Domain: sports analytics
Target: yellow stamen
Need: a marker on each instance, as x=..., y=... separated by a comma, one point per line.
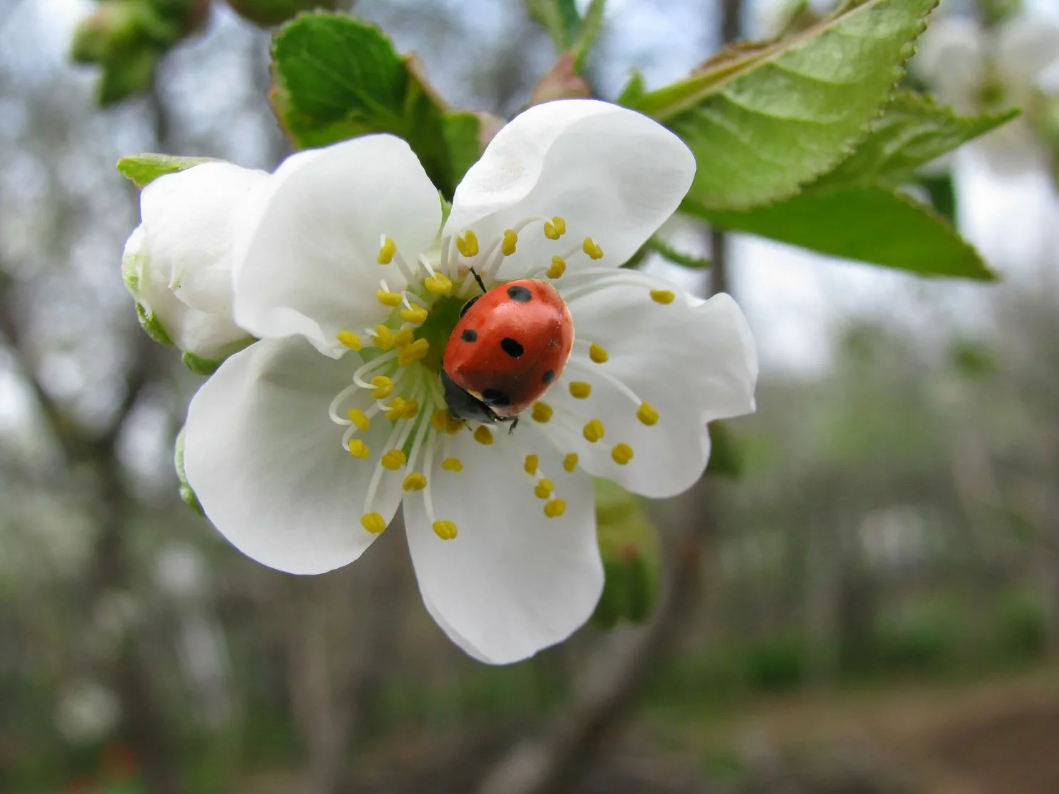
x=383, y=387
x=555, y=228
x=558, y=267
x=393, y=460
x=373, y=522
x=386, y=251
x=383, y=338
x=593, y=431
x=555, y=508
x=468, y=244
x=452, y=464
x=391, y=299
x=416, y=315
x=439, y=284
x=403, y=338
x=544, y=489
x=647, y=414
x=570, y=461
x=446, y=530
x=402, y=409
x=350, y=340
x=359, y=418
x=593, y=250
x=542, y=412
x=414, y=482
x=358, y=449
x=662, y=296
x=580, y=390
x=532, y=462
x=507, y=247
x=414, y=352
x=621, y=454
x=443, y=422
x=483, y=436
x=598, y=354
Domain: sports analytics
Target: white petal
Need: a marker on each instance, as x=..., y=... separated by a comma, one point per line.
x=693, y=361
x=190, y=219
x=513, y=581
x=207, y=335
x=612, y=174
x=308, y=262
x=266, y=463
x=951, y=60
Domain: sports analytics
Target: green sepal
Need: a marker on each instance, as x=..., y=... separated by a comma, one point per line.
x=199, y=365
x=144, y=168
x=187, y=494
x=152, y=326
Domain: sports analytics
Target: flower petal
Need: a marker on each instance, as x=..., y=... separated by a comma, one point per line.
x=308, y=260
x=266, y=461
x=513, y=581
x=190, y=219
x=693, y=361
x=612, y=174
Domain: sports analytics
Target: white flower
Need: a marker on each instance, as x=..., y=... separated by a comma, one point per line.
x=301, y=447
x=980, y=71
x=177, y=263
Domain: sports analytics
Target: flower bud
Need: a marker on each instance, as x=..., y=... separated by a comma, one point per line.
x=177, y=263
x=274, y=12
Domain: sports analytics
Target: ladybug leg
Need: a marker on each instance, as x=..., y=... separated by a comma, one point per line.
x=478, y=278
x=514, y=424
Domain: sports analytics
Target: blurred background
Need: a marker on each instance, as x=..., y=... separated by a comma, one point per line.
x=870, y=606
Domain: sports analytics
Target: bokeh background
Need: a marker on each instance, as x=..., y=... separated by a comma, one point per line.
x=870, y=607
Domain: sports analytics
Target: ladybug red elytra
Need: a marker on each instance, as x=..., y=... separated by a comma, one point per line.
x=508, y=347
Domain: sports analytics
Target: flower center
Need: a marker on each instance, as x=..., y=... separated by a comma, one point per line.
x=398, y=382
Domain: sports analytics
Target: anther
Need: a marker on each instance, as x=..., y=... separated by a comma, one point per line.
x=358, y=449
x=557, y=268
x=443, y=422
x=391, y=299
x=402, y=409
x=647, y=414
x=544, y=489
x=403, y=337
x=452, y=464
x=621, y=454
x=413, y=352
x=350, y=340
x=509, y=243
x=414, y=482
x=555, y=228
x=593, y=250
x=359, y=418
x=580, y=390
x=593, y=431
x=386, y=251
x=383, y=387
x=555, y=508
x=446, y=530
x=416, y=315
x=483, y=436
x=570, y=461
x=383, y=338
x=662, y=296
x=532, y=462
x=598, y=354
x=373, y=522
x=468, y=244
x=542, y=412
x=439, y=284
x=393, y=460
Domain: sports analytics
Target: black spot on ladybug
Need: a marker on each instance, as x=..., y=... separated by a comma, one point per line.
x=469, y=335
x=495, y=397
x=469, y=304
x=548, y=377
x=519, y=295
x=511, y=346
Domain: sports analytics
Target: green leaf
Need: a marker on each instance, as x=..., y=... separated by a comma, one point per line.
x=659, y=246
x=763, y=120
x=867, y=223
x=143, y=169
x=912, y=131
x=591, y=25
x=558, y=17
x=335, y=78
x=461, y=131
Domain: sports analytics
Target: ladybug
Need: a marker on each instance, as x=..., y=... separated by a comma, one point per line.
x=509, y=346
